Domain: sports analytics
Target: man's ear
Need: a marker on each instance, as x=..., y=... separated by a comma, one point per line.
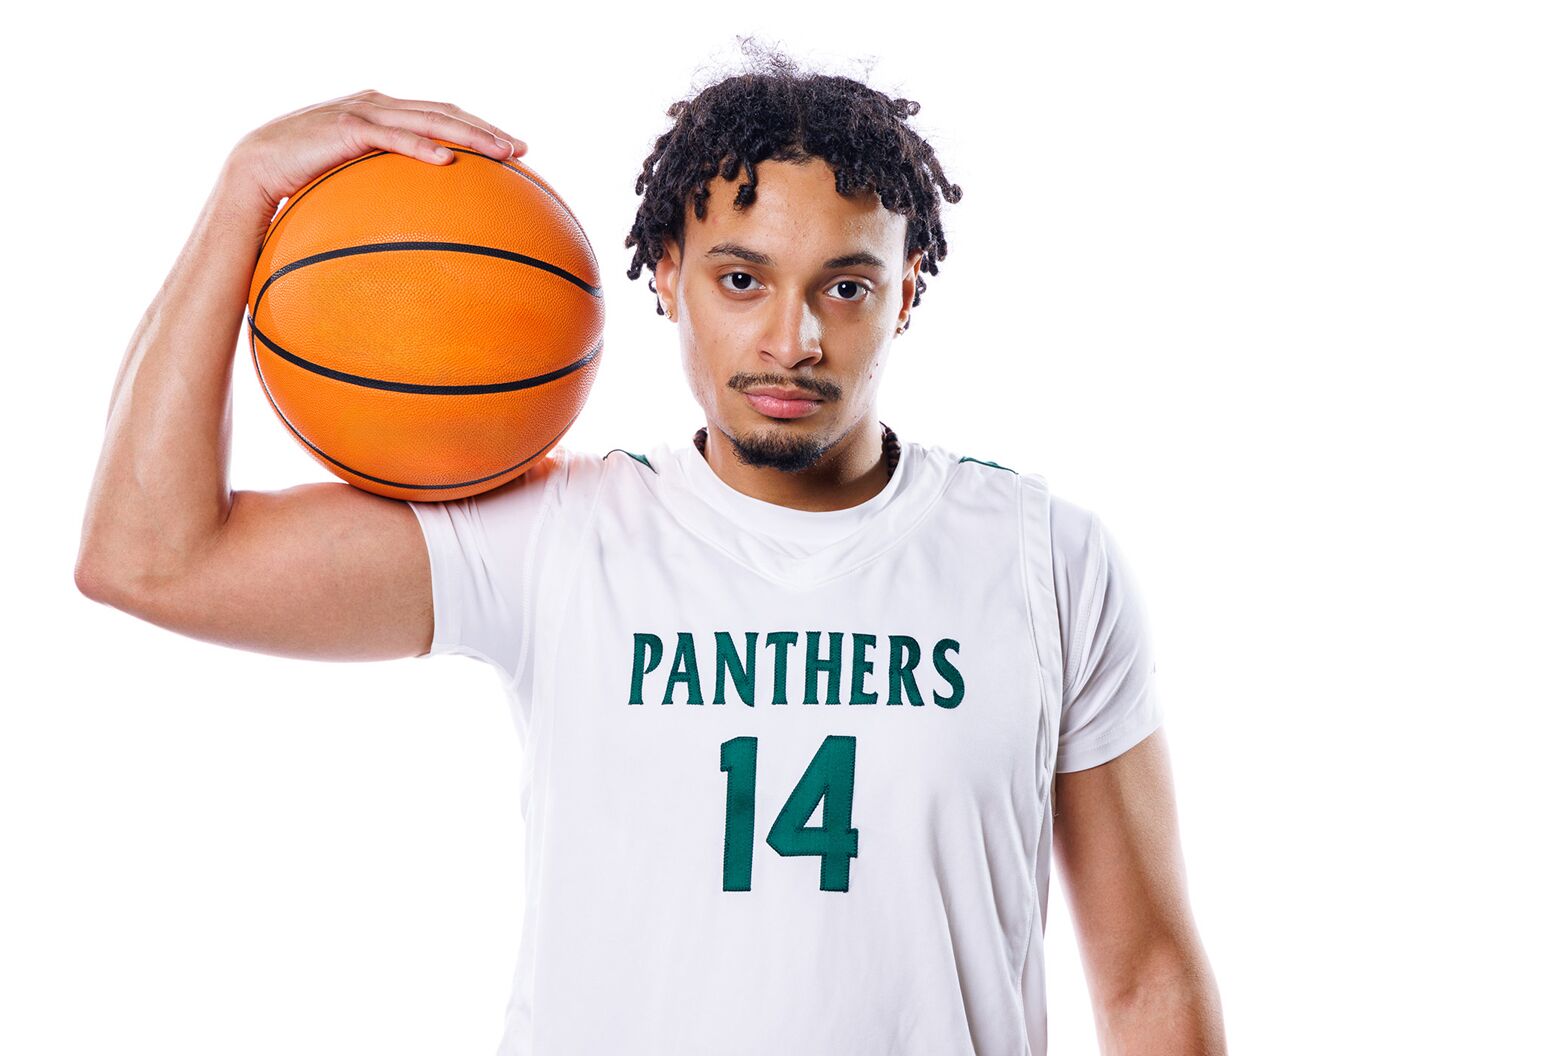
x=667, y=270
x=910, y=282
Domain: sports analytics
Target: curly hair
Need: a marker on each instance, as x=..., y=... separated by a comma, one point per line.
x=781, y=114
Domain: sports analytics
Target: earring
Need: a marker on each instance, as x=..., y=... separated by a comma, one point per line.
x=901, y=328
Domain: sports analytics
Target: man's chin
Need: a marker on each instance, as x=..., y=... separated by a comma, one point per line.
x=777, y=447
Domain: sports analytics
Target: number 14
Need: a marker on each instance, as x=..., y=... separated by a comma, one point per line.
x=829, y=776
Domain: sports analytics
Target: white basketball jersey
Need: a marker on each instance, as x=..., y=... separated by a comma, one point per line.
x=787, y=778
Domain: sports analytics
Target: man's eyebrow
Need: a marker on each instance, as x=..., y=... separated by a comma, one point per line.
x=847, y=260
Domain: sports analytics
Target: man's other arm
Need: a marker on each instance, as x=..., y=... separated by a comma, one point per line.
x=1118, y=849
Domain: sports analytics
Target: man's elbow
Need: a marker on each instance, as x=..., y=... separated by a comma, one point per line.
x=1170, y=1007
x=91, y=579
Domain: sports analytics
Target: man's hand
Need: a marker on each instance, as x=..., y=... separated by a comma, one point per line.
x=289, y=152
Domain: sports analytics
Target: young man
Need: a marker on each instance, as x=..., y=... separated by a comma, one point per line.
x=797, y=699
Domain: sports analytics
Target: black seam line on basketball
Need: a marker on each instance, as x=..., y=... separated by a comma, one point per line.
x=380, y=480
x=532, y=179
x=290, y=206
x=436, y=247
x=521, y=172
x=414, y=387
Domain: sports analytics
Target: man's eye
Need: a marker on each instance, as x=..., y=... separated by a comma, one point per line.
x=737, y=275
x=859, y=290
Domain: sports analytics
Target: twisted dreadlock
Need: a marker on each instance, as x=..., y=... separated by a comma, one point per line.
x=776, y=112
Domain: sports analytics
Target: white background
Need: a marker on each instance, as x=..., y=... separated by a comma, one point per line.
x=1260, y=284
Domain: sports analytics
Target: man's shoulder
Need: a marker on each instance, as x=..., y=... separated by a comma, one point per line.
x=973, y=461
x=558, y=475
x=639, y=457
x=578, y=461
x=989, y=469
x=585, y=475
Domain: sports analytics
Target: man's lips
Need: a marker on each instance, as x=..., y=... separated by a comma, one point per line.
x=782, y=403
x=781, y=393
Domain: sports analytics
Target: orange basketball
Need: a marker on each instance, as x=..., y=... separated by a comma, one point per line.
x=427, y=331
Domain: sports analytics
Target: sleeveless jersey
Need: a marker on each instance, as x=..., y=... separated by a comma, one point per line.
x=787, y=798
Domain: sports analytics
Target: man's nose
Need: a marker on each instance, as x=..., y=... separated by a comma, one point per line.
x=793, y=334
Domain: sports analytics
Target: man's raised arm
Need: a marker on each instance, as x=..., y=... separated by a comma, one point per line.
x=319, y=570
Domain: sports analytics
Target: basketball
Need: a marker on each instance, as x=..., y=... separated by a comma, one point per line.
x=425, y=331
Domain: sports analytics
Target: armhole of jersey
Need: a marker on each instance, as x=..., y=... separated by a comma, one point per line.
x=552, y=490
x=570, y=503
x=1041, y=607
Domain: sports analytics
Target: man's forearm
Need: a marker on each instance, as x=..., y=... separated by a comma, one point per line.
x=1173, y=1011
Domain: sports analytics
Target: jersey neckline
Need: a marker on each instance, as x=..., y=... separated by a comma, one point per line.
x=801, y=530
x=810, y=551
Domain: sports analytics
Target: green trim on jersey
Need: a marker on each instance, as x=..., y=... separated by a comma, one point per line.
x=995, y=465
x=630, y=454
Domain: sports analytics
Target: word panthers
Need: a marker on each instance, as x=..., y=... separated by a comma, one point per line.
x=741, y=667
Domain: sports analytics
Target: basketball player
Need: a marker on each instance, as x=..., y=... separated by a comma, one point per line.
x=797, y=698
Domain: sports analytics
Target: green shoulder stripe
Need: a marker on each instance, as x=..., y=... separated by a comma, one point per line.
x=630, y=454
x=995, y=465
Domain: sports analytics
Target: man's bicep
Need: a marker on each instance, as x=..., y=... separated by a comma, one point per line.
x=1117, y=845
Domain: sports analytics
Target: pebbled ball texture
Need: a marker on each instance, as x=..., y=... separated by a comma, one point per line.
x=427, y=332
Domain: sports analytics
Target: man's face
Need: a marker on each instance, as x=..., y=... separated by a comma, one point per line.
x=802, y=290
